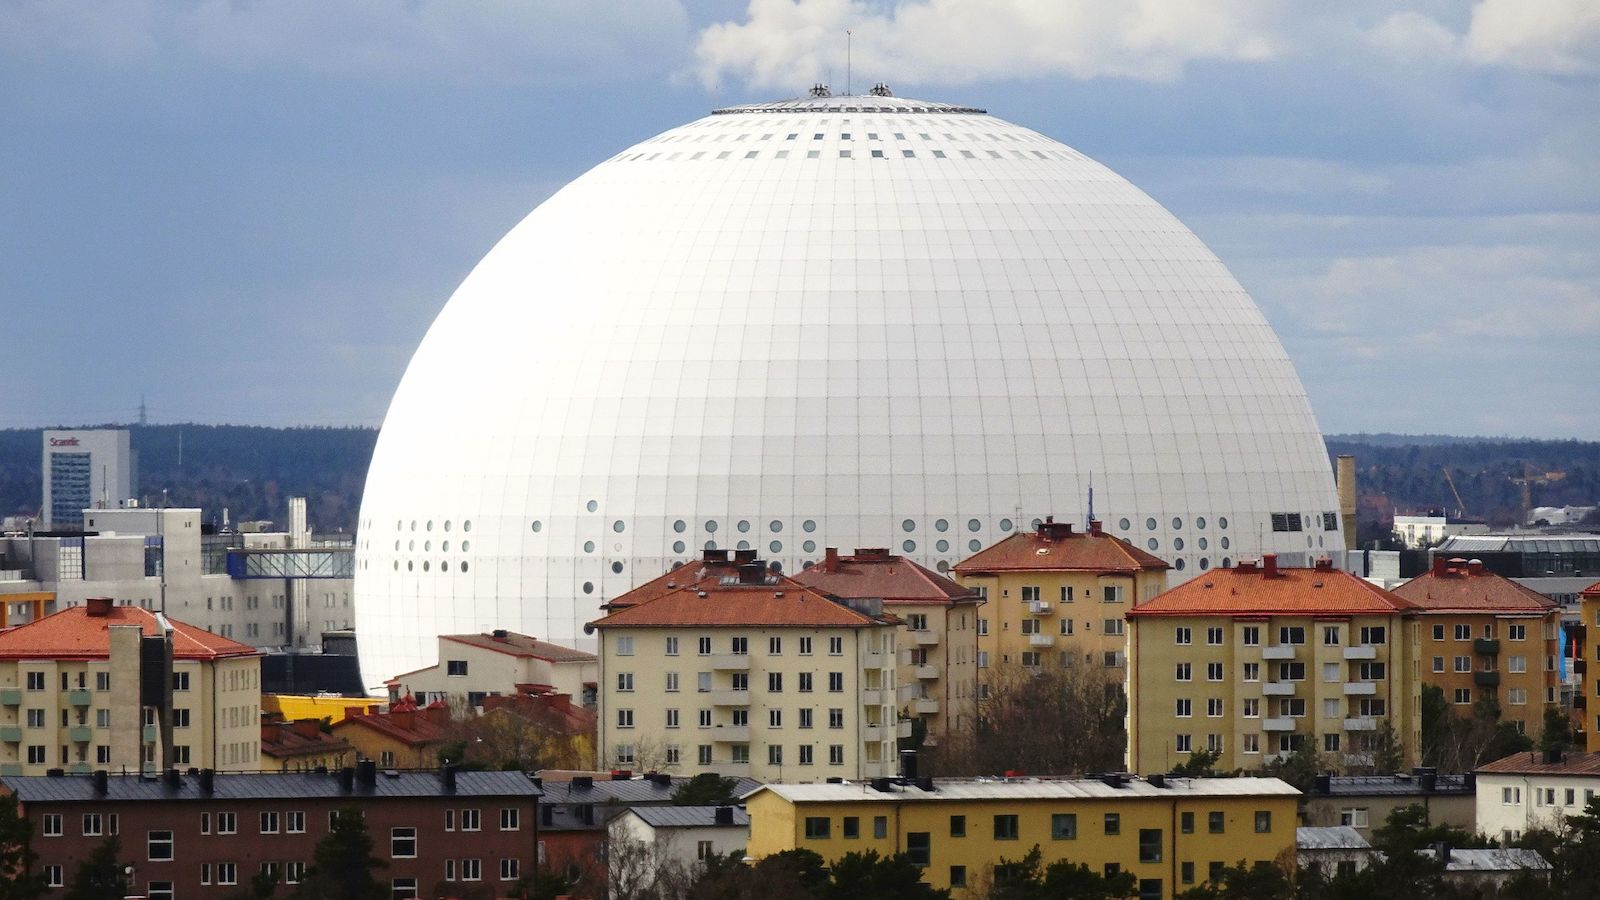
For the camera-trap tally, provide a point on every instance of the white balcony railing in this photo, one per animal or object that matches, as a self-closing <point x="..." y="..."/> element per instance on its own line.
<point x="1282" y="723"/>
<point x="1040" y="607"/>
<point x="1041" y="640"/>
<point x="1278" y="688"/>
<point x="1360" y="688"/>
<point x="1362" y="723"/>
<point x="1279" y="651"/>
<point x="1363" y="651"/>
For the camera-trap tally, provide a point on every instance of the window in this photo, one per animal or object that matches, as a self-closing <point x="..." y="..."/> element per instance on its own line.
<point x="456" y="668"/>
<point x="1291" y="634"/>
<point x="1251" y="743"/>
<point x="1330" y="635"/>
<point x="1263" y="821"/>
<point x="1064" y="826"/>
<point x="1214" y="636"/>
<point x="158" y="846"/>
<point x="1438" y="632"/>
<point x="510" y="818"/>
<point x="1111" y="626"/>
<point x="805" y="646"/>
<point x="1517" y="696"/>
<point x="1112" y="593"/>
<point x="403" y="842"/>
<point x="35" y="718"/>
<point x="1113" y="823"/>
<point x="1185" y="743"/>
<point x="1251" y="635"/>
<point x="402" y="888"/>
<point x="958" y="876"/>
<point x="35" y="681"/>
<point x="775" y="682"/>
<point x="919" y="847"/>
<point x="297" y="822"/>
<point x="36" y="754"/>
<point x="705" y="646"/>
<point x="850" y="827"/>
<point x="1373" y="634"/>
<point x="53" y="877"/>
<point x="1292" y="671"/>
<point x="1182" y="671"/>
<point x="818" y="828"/>
<point x="672" y="646"/>
<point x="880" y="827"/>
<point x="1330" y="743"/>
<point x="1354" y="817"/>
<point x="1149" y="845"/>
<point x="1371" y="671"/>
<point x="1183" y="635"/>
<point x="1184" y="708"/>
<point x="1516" y="664"/>
<point x="1187" y="872"/>
<point x="269" y="823"/>
<point x="1252" y="671"/>
<point x="836" y="646"/>
<point x="1438" y="664"/>
<point x="102" y="681"/>
<point x="91" y="825"/>
<point x="511" y="867"/>
<point x="472" y="870"/>
<point x="775" y="754"/>
<point x="1463" y="632"/>
<point x="1214" y="671"/>
<point x="227" y="873"/>
<point x="471" y="820"/>
<point x="835" y="754"/>
<point x="52" y="825"/>
<point x="1005" y="828"/>
<point x="835" y="682"/>
<point x="1517" y="632"/>
<point x="958" y="826"/>
<point x="227" y="823"/>
<point x="1215" y="822"/>
<point x="1463" y="664"/>
<point x="1214" y="707"/>
<point x="1463" y="696"/>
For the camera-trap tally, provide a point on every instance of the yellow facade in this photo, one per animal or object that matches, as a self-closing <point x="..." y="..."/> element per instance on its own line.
<point x="1256" y="687"/>
<point x="1586" y="705"/>
<point x="937" y="669"/>
<point x="1170" y="838"/>
<point x="1043" y="619"/>
<point x="294" y="707"/>
<point x="1506" y="657"/>
<point x="387" y="750"/>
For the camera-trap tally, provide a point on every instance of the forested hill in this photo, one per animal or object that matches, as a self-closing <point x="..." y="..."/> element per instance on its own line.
<point x="251" y="470"/>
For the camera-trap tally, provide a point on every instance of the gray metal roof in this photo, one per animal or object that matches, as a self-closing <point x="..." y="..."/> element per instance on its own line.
<point x="1330" y="837"/>
<point x="688" y="816"/>
<point x="266" y="786"/>
<point x="1394" y="785"/>
<point x="1032" y="789"/>
<point x="1521" y="543"/>
<point x="627" y="792"/>
<point x="1509" y="859"/>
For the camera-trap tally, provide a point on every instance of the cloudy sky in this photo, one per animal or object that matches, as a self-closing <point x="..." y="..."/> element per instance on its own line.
<point x="249" y="210"/>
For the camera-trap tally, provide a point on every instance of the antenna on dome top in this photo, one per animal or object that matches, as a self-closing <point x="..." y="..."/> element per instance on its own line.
<point x="1091" y="503"/>
<point x="847" y="37"/>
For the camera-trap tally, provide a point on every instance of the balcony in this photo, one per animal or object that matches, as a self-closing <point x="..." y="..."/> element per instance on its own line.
<point x="79" y="697"/>
<point x="80" y="734"/>
<point x="925" y="706"/>
<point x="925" y="638"/>
<point x="1279" y="651"/>
<point x="148" y="735"/>
<point x="78" y="768"/>
<point x="902" y="729"/>
<point x="1041" y="607"/>
<point x="11" y="734"/>
<point x="1486" y="679"/>
<point x="11" y="696"/>
<point x="1580" y="666"/>
<point x="877" y="661"/>
<point x="875" y="733"/>
<point x="732" y="769"/>
<point x="926" y="673"/>
<point x="1282" y="723"/>
<point x="1579" y="701"/>
<point x="1041" y="640"/>
<point x="731" y="662"/>
<point x="1486" y="646"/>
<point x="1361" y="723"/>
<point x="10" y="769"/>
<point x="1361" y="651"/>
<point x="730" y="698"/>
<point x="731" y="734"/>
<point x="1360" y="688"/>
<point x="1279" y="688"/>
<point x="876" y="697"/>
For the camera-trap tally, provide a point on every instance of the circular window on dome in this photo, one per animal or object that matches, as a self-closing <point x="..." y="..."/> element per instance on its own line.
<point x="591" y="506"/>
<point x="909" y="546"/>
<point x="908" y="525"/>
<point x="463" y="567"/>
<point x="427" y="545"/>
<point x="1153" y="544"/>
<point x="1200" y="522"/>
<point x="1150" y="524"/>
<point x="397" y="565"/>
<point x="465" y="546"/>
<point x="1205" y="563"/>
<point x="444" y="566"/>
<point x="942" y="546"/>
<point x="588" y="587"/>
<point x="1177" y="523"/>
<point x="1124" y="524"/>
<point x="942" y="525"/>
<point x="1177" y="543"/>
<point x="1203" y="543"/>
<point x="974" y="545"/>
<point x="944" y="565"/>
<point x="1222" y="522"/>
<point x="973" y="524"/>
<point x="616" y="568"/>
<point x="776" y="546"/>
<point x="1035" y="524"/>
<point x="809" y="526"/>
<point x="445" y="546"/>
<point x="588" y="546"/>
<point x="1178" y="565"/>
<point x="679" y="526"/>
<point x="1005" y="524"/>
<point x="743" y="545"/>
<point x="775" y="566"/>
<point x="399" y="524"/>
<point x="429" y="526"/>
<point x="397" y="546"/>
<point x="711" y="526"/>
<point x="806" y="565"/>
<point x="1226" y="562"/>
<point x="618" y="527"/>
<point x="809" y="546"/>
<point x="411" y="545"/>
<point x="538" y="526"/>
<point x="743" y="526"/>
<point x="775" y="526"/>
<point x="408" y="565"/>
<point x="711" y="545"/>
<point x="467" y="525"/>
<point x="413" y="524"/>
<point x="446" y="524"/>
<point x="1225" y="542"/>
<point x="677" y="547"/>
<point x="1308" y="540"/>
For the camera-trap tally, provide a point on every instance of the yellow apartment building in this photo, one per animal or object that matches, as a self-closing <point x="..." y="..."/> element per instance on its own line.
<point x="1256" y="660"/>
<point x="404" y="737"/>
<point x="1170" y="833"/>
<point x="1487" y="636"/>
<point x="69" y="695"/>
<point x="1058" y="596"/>
<point x="1587" y="637"/>
<point x="936" y="668"/>
<point x="746" y="672"/>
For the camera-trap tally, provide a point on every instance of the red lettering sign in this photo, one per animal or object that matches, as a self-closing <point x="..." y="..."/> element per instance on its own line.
<point x="63" y="442"/>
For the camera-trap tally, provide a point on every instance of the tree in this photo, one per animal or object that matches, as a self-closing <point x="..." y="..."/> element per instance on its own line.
<point x="705" y="789"/>
<point x="1201" y="763"/>
<point x="1300" y="768"/>
<point x="642" y="870"/>
<point x="1455" y="743"/>
<point x="342" y="864"/>
<point x="789" y="875"/>
<point x="1388" y="757"/>
<point x="18" y="880"/>
<point x="1556" y="736"/>
<point x="867" y="874"/>
<point x="1262" y="881"/>
<point x="1060" y="720"/>
<point x="1029" y="879"/>
<point x="100" y="875"/>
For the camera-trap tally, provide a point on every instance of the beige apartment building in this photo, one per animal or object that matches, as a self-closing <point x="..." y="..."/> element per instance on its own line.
<point x="69" y="695"/>
<point x="499" y="663"/>
<point x="1057" y="597"/>
<point x="1257" y="660"/>
<point x="747" y="674"/>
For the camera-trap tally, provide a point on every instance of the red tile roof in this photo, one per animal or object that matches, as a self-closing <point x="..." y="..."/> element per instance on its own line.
<point x="80" y="632"/>
<point x="303" y="737"/>
<point x="1456" y="588"/>
<point x="1572" y="762"/>
<point x="712" y="564"/>
<point x="414" y="727"/>
<point x="723" y="601"/>
<point x="551" y="711"/>
<point x="882" y="575"/>
<point x="1056" y="547"/>
<point x="522" y="646"/>
<point x="1247" y="590"/>
<point x="1592" y="591"/>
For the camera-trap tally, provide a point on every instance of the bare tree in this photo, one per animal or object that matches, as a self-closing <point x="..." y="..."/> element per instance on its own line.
<point x="1058" y="721"/>
<point x="640" y="870"/>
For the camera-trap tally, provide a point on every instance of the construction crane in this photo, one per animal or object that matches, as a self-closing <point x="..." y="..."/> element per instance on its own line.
<point x="1461" y="508"/>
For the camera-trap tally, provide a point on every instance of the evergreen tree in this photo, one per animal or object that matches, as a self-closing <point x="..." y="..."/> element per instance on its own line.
<point x="1029" y="879"/>
<point x="705" y="789"/>
<point x="342" y="864"/>
<point x="100" y="875"/>
<point x="1556" y="735"/>
<point x="18" y="880"/>
<point x="887" y="877"/>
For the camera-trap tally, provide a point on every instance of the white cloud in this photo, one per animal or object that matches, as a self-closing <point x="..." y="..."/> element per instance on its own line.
<point x="790" y="43"/>
<point x="1410" y="35"/>
<point x="1560" y="37"/>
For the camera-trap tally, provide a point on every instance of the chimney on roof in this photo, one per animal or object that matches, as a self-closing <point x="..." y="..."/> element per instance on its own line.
<point x="1095" y="528"/>
<point x="208" y="782"/>
<point x="1439" y="565"/>
<point x="621" y="774"/>
<point x="1269" y="565"/>
<point x="584" y="782"/>
<point x="172" y="779"/>
<point x="724" y="815"/>
<point x="1051" y="530"/>
<point x="830" y="559"/>
<point x="98" y="607"/>
<point x="1324" y="564"/>
<point x="500" y="634"/>
<point x="367" y="773"/>
<point x="714" y="556"/>
<point x="744" y="556"/>
<point x="406" y="719"/>
<point x="1474" y="567"/>
<point x="307" y="728"/>
<point x="102" y="783"/>
<point x="752" y="572"/>
<point x="447" y="775"/>
<point x="347" y="779"/>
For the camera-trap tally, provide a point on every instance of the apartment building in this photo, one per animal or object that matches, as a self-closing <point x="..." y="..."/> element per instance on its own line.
<point x="1534" y="790"/>
<point x="1485" y="636"/>
<point x="1057" y="597"/>
<point x="208" y="834"/>
<point x="1255" y="660"/>
<point x="70" y="699"/>
<point x="1170" y="833"/>
<point x="405" y="737"/>
<point x="498" y="663"/>
<point x="1586" y="635"/>
<point x="936" y="670"/>
<point x="1364" y="802"/>
<point x="748" y="674"/>
<point x="300" y="746"/>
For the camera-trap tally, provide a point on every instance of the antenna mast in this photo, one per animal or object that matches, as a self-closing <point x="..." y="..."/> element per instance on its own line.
<point x="847" y="48"/>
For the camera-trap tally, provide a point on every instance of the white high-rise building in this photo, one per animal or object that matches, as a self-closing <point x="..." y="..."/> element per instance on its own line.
<point x="89" y="469"/>
<point x="837" y="321"/>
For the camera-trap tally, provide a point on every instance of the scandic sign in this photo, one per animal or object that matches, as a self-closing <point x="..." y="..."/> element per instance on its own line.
<point x="63" y="442"/>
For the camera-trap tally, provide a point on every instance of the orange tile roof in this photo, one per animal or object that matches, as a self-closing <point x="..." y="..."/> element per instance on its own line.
<point x="523" y="646"/>
<point x="414" y="727"/>
<point x="1055" y="547"/>
<point x="1450" y="588"/>
<point x="882" y="575"/>
<point x="712" y="564"/>
<point x="722" y="601"/>
<point x="305" y="737"/>
<point x="1592" y="591"/>
<point x="76" y="633"/>
<point x="1573" y="762"/>
<point x="1246" y="590"/>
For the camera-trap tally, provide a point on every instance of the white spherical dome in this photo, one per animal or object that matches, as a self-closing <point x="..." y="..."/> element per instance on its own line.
<point x="857" y="321"/>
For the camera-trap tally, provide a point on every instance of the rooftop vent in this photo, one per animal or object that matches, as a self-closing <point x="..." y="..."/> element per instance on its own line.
<point x="820" y="90"/>
<point x="881" y="90"/>
<point x="1051" y="530"/>
<point x="500" y="634"/>
<point x="752" y="572"/>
